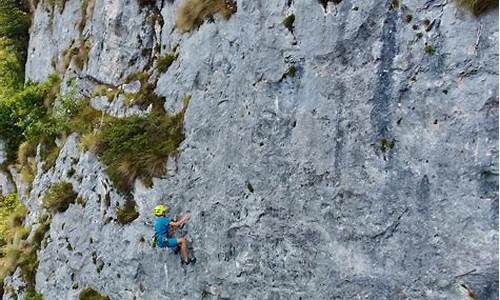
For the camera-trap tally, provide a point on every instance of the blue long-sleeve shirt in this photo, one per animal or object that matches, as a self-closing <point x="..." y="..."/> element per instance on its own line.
<point x="162" y="230"/>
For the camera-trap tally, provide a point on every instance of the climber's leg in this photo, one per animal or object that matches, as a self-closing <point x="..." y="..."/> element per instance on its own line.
<point x="183" y="249"/>
<point x="171" y="230"/>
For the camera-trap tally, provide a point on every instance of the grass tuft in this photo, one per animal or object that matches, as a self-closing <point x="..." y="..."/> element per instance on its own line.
<point x="288" y="22"/>
<point x="165" y="62"/>
<point x="127" y="213"/>
<point x="386" y="145"/>
<point x="192" y="13"/>
<point x="86" y="10"/>
<point x="138" y="146"/>
<point x="91" y="294"/>
<point x="90" y="142"/>
<point x="59" y="197"/>
<point x="82" y="56"/>
<point x="477" y="7"/>
<point x="49" y="153"/>
<point x="292" y="71"/>
<point x="429" y="50"/>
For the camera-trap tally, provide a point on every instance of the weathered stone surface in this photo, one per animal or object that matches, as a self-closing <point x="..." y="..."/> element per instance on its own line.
<point x="132" y="87"/>
<point x="370" y="174"/>
<point x="6" y="184"/>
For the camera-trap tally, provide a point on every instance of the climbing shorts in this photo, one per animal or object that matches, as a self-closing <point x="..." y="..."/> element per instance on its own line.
<point x="172" y="242"/>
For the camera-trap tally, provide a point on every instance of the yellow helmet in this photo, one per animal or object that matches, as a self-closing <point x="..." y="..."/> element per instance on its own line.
<point x="160" y="210"/>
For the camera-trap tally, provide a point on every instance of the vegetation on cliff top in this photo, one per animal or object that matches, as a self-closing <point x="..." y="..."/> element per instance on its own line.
<point x="477" y="7"/>
<point x="192" y="13"/>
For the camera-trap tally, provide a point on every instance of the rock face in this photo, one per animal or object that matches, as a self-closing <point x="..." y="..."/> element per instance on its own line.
<point x="352" y="156"/>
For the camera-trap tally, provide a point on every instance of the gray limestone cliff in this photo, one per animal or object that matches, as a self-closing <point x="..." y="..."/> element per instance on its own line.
<point x="350" y="155"/>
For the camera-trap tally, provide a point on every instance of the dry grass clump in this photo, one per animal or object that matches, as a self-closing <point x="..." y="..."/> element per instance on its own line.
<point x="26" y="161"/>
<point x="477" y="6"/>
<point x="82" y="57"/>
<point x="79" y="54"/>
<point x="91" y="294"/>
<point x="90" y="142"/>
<point x="86" y="9"/>
<point x="165" y="62"/>
<point x="192" y="13"/>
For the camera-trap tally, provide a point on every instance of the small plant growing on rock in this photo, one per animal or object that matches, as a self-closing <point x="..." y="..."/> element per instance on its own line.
<point x="86" y="9"/>
<point x="127" y="213"/>
<point x="82" y="56"/>
<point x="91" y="294"/>
<point x="146" y="95"/>
<point x="386" y="145"/>
<point x="292" y="71"/>
<point x="59" y="197"/>
<point x="165" y="62"/>
<point x="32" y="294"/>
<point x="429" y="50"/>
<point x="90" y="142"/>
<point x="288" y="22"/>
<point x="50" y="153"/>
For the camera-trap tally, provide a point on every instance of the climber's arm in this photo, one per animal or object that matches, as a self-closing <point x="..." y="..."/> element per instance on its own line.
<point x="175" y="224"/>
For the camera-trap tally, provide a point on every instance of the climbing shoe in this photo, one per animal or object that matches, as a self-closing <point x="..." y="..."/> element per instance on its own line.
<point x="191" y="260"/>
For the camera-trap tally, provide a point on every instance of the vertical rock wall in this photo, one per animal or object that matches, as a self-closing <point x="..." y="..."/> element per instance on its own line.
<point x="352" y="157"/>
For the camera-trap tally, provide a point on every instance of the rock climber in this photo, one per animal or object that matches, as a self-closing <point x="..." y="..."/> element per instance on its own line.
<point x="165" y="234"/>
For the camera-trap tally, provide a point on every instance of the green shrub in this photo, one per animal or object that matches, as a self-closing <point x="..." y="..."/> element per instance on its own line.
<point x="59" y="197"/>
<point x="138" y="146"/>
<point x="24" y="116"/>
<point x="87" y="120"/>
<point x="20" y="117"/>
<point x="90" y="142"/>
<point x="14" y="25"/>
<point x="127" y="213"/>
<point x="477" y="6"/>
<point x="19" y="252"/>
<point x="12" y="214"/>
<point x="91" y="294"/>
<point x="11" y="70"/>
<point x="192" y="13"/>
